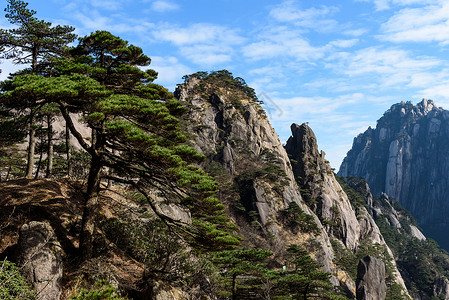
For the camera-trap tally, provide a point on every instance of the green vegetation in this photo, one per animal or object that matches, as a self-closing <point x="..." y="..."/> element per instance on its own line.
<point x="421" y="262"/>
<point x="357" y="200"/>
<point x="12" y="283"/>
<point x="296" y="219"/>
<point x="348" y="261"/>
<point x="245" y="271"/>
<point x="103" y="291"/>
<point x="240" y="269"/>
<point x="224" y="79"/>
<point x="305" y="280"/>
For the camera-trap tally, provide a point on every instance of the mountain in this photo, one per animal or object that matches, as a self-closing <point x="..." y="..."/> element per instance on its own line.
<point x="407" y="157"/>
<point x="244" y="152"/>
<point x="335" y="238"/>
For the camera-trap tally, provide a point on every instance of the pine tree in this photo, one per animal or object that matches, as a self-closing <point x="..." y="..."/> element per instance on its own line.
<point x="306" y="280"/>
<point x="248" y="263"/>
<point x="137" y="135"/>
<point x="32" y="41"/>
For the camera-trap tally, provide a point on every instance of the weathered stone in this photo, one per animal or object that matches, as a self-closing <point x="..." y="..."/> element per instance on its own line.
<point x="162" y="291"/>
<point x="315" y="175"/>
<point x="40" y="255"/>
<point x="236" y="135"/>
<point x="415" y="232"/>
<point x="371" y="279"/>
<point x="410" y="164"/>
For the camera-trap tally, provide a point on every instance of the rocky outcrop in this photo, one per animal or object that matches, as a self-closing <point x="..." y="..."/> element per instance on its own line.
<point x="242" y="149"/>
<point x="319" y="186"/>
<point x="407" y="157"/>
<point x="371" y="279"/>
<point x="351" y="225"/>
<point x="40" y="256"/>
<point x="161" y="291"/>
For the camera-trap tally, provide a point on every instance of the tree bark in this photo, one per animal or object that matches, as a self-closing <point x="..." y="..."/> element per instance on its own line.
<point x="38" y="170"/>
<point x="68" y="143"/>
<point x="31" y="149"/>
<point x="234" y="287"/>
<point x="50" y="153"/>
<point x="89" y="210"/>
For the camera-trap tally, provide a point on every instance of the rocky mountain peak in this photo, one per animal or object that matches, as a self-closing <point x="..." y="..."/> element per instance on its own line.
<point x="407" y="157"/>
<point x="425" y="106"/>
<point x="303" y="140"/>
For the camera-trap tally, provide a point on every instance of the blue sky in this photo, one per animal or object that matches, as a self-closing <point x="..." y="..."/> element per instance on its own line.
<point x="337" y="65"/>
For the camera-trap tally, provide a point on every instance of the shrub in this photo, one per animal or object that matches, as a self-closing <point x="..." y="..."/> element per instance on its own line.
<point x="13" y="284"/>
<point x="103" y="291"/>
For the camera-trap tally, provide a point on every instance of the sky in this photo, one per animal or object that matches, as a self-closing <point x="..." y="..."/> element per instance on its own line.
<point x="337" y="65"/>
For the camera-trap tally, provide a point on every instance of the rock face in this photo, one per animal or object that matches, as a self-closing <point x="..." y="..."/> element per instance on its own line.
<point x="40" y="257"/>
<point x="371" y="279"/>
<point x="407" y="157"/>
<point x="319" y="187"/>
<point x="243" y="150"/>
<point x="259" y="178"/>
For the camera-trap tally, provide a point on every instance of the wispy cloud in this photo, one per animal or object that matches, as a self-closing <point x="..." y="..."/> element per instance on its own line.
<point x="7" y="67"/>
<point x="386" y="67"/>
<point x="170" y="70"/>
<point x="93" y="19"/>
<point x="424" y="24"/>
<point x="388" y="4"/>
<point x="313" y="18"/>
<point x="202" y="43"/>
<point x="281" y="41"/>
<point x="164" y="6"/>
<point x="203" y="33"/>
<point x="108" y="5"/>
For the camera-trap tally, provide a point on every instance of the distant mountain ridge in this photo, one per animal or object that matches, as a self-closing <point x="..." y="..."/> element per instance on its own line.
<point x="407" y="157"/>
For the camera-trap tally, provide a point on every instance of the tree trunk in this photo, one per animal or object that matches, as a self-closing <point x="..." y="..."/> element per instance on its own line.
<point x="36" y="175"/>
<point x="34" y="54"/>
<point x="89" y="211"/>
<point x="31" y="149"/>
<point x="50" y="147"/>
<point x="68" y="143"/>
<point x="9" y="172"/>
<point x="234" y="287"/>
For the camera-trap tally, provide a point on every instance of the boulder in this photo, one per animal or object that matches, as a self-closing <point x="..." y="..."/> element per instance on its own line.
<point x="371" y="279"/>
<point x="40" y="255"/>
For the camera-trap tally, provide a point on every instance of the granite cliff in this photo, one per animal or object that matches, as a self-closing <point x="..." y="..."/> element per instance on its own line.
<point x="243" y="150"/>
<point x="407" y="157"/>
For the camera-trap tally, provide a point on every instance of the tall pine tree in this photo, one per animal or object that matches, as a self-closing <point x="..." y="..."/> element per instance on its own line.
<point x="35" y="42"/>
<point x="136" y="135"/>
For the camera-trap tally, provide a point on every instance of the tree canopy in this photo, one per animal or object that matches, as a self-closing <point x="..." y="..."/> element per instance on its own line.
<point x="135" y="133"/>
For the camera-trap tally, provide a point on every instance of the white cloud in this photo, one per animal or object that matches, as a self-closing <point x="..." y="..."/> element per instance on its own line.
<point x="355" y="32"/>
<point x="207" y="55"/>
<point x="438" y="92"/>
<point x="197" y="33"/>
<point x="170" y="70"/>
<point x="203" y="44"/>
<point x="424" y="24"/>
<point x="388" y="4"/>
<point x="313" y="18"/>
<point x="391" y="67"/>
<point x="344" y="43"/>
<point x="281" y="41"/>
<point x="93" y="20"/>
<point x="382" y="4"/>
<point x="164" y="6"/>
